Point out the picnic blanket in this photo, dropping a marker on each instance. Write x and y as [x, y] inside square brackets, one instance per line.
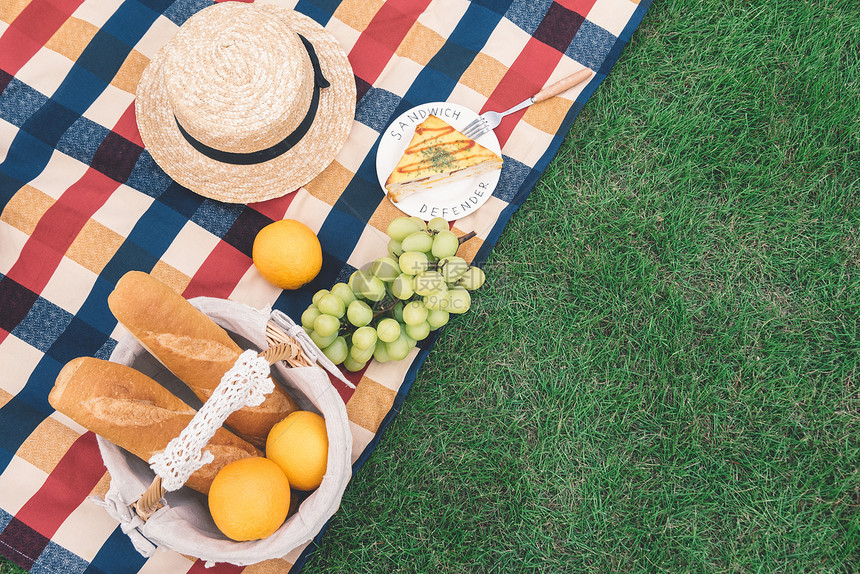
[83, 202]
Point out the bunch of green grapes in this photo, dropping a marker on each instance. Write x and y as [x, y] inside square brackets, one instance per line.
[384, 310]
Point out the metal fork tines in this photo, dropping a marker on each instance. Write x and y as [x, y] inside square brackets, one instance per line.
[491, 120]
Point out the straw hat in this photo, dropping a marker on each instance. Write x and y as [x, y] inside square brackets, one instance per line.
[247, 102]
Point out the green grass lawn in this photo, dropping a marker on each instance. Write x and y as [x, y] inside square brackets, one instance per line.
[663, 371]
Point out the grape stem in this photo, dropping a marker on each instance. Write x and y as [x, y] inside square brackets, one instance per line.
[346, 327]
[385, 308]
[464, 238]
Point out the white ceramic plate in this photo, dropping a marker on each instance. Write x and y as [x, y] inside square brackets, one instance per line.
[449, 200]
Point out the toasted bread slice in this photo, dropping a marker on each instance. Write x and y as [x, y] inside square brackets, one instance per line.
[438, 153]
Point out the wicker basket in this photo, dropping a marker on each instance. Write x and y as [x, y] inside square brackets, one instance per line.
[180, 520]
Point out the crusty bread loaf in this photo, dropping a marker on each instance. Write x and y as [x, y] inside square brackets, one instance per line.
[192, 346]
[136, 413]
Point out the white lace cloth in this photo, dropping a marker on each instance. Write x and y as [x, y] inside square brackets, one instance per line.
[246, 383]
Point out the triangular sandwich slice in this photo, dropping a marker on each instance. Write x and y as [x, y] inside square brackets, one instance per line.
[438, 153]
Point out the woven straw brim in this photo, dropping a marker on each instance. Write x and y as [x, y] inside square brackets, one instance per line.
[252, 183]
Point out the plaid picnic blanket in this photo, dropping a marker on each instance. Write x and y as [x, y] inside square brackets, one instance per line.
[82, 203]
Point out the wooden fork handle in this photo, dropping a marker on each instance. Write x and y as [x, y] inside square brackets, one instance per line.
[562, 85]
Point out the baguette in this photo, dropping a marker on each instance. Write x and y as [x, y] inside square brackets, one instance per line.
[136, 413]
[193, 347]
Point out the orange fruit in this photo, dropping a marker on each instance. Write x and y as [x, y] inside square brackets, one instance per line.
[287, 253]
[249, 498]
[299, 445]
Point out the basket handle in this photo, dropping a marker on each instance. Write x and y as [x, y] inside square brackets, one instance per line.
[276, 337]
[285, 348]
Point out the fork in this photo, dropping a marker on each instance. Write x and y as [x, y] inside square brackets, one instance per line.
[490, 120]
